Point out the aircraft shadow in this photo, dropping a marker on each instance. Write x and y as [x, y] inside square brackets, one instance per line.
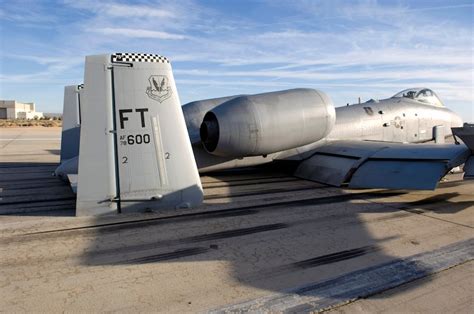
[273, 245]
[30, 189]
[282, 242]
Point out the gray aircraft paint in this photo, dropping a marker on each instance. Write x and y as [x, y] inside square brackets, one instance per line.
[135, 152]
[266, 123]
[195, 112]
[390, 120]
[300, 124]
[96, 173]
[364, 139]
[374, 164]
[71, 122]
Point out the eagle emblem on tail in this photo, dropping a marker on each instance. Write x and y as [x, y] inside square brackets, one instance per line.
[159, 88]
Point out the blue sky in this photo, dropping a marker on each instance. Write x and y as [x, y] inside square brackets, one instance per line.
[371, 49]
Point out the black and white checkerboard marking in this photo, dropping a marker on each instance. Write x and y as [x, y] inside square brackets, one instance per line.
[138, 57]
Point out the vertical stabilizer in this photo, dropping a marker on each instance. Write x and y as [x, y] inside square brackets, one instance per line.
[135, 152]
[71, 122]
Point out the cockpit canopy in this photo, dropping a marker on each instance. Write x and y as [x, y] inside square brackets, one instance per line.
[424, 95]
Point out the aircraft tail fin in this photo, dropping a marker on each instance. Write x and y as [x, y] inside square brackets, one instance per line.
[71, 122]
[135, 152]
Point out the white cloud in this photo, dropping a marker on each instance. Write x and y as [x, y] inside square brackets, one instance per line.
[454, 75]
[138, 33]
[121, 10]
[350, 48]
[115, 9]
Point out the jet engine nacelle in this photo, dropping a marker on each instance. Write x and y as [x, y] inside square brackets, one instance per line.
[266, 123]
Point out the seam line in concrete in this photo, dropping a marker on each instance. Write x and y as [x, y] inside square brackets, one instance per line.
[358, 284]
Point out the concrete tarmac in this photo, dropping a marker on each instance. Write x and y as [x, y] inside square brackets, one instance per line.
[449, 291]
[261, 235]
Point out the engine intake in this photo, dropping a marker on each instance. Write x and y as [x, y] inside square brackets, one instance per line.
[209, 131]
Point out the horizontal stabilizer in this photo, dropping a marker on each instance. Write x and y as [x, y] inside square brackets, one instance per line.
[72, 178]
[67, 167]
[365, 164]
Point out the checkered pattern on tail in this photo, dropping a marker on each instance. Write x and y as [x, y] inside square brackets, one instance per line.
[138, 57]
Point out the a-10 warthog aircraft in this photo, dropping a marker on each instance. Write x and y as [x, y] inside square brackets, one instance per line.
[139, 149]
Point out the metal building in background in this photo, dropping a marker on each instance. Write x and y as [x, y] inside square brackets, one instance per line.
[12, 109]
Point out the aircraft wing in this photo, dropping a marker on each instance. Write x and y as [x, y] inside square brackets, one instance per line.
[369, 164]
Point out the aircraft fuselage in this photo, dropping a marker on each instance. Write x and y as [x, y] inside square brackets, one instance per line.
[392, 120]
